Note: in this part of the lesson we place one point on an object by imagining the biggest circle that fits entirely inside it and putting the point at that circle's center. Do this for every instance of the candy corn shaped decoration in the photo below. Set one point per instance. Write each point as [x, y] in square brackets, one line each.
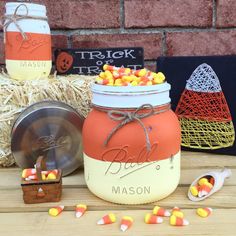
[80, 210]
[204, 212]
[178, 221]
[40, 193]
[159, 211]
[55, 211]
[206, 122]
[107, 219]
[152, 219]
[177, 212]
[28, 172]
[126, 223]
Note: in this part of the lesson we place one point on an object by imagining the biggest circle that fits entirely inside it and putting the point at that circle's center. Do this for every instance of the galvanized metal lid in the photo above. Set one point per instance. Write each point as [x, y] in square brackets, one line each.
[52, 129]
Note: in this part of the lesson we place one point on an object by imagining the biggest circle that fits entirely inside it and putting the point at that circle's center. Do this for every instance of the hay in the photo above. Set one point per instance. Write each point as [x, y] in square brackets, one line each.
[15, 96]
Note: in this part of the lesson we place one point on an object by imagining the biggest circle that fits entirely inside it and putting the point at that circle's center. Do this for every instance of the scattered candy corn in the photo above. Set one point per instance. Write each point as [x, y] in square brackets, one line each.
[80, 210]
[178, 221]
[177, 212]
[152, 219]
[119, 76]
[107, 219]
[204, 212]
[159, 211]
[126, 223]
[55, 211]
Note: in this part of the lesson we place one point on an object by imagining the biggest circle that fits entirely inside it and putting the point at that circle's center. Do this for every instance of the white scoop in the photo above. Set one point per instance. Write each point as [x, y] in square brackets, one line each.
[219, 178]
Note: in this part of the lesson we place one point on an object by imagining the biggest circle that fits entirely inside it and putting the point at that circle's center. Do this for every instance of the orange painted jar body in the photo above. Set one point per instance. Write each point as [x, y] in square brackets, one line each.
[27, 41]
[124, 170]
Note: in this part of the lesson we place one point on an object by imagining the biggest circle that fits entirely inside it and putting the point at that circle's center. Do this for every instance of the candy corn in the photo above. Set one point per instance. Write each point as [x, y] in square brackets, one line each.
[152, 219]
[119, 76]
[194, 190]
[177, 212]
[28, 172]
[110, 68]
[31, 177]
[212, 181]
[107, 219]
[202, 181]
[80, 210]
[43, 176]
[55, 211]
[52, 175]
[126, 223]
[178, 221]
[159, 78]
[159, 211]
[204, 189]
[204, 212]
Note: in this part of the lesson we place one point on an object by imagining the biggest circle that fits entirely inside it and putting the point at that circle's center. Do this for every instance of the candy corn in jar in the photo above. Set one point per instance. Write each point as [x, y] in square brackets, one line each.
[131, 142]
[27, 41]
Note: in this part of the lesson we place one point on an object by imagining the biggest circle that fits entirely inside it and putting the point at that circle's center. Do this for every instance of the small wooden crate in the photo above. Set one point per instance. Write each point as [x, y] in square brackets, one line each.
[42, 190]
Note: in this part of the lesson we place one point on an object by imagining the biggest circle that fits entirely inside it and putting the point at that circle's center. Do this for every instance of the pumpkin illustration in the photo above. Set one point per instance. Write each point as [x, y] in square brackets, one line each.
[64, 62]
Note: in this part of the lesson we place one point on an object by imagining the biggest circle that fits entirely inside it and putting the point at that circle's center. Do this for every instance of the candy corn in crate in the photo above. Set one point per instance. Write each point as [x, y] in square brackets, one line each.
[40, 185]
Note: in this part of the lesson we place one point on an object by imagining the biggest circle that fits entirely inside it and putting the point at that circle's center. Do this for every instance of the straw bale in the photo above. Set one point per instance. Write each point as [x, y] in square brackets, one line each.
[15, 96]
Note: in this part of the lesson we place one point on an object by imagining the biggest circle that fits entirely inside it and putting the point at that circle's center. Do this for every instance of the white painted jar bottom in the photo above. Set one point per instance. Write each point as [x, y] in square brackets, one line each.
[132, 183]
[28, 69]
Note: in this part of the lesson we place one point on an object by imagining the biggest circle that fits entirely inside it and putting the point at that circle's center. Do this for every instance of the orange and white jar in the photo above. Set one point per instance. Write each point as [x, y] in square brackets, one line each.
[27, 41]
[131, 142]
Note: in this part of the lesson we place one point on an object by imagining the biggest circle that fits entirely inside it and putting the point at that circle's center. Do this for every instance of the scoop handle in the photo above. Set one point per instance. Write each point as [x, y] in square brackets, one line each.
[226, 173]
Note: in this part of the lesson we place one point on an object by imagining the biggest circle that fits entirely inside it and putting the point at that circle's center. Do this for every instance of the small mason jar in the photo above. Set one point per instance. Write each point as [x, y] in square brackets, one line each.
[131, 142]
[27, 41]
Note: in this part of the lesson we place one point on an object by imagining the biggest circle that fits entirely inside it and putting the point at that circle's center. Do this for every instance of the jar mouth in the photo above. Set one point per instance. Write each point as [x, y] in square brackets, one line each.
[130, 96]
[33, 9]
[161, 108]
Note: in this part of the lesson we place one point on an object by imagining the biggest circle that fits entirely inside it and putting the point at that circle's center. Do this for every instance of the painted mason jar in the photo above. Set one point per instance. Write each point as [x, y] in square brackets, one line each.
[131, 142]
[27, 41]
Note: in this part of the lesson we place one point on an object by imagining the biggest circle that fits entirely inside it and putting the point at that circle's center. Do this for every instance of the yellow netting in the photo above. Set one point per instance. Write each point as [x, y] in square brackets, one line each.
[203, 134]
[15, 96]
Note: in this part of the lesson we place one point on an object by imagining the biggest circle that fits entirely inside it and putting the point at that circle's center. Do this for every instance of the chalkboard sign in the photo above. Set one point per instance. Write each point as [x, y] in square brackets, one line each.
[90, 61]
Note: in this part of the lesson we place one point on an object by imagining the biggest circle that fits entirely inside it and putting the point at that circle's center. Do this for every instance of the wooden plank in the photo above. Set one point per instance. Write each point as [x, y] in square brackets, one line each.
[221, 222]
[11, 200]
[11, 178]
[201, 159]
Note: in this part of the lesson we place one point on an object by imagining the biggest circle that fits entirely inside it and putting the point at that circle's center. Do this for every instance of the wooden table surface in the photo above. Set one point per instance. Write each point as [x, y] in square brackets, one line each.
[16, 218]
